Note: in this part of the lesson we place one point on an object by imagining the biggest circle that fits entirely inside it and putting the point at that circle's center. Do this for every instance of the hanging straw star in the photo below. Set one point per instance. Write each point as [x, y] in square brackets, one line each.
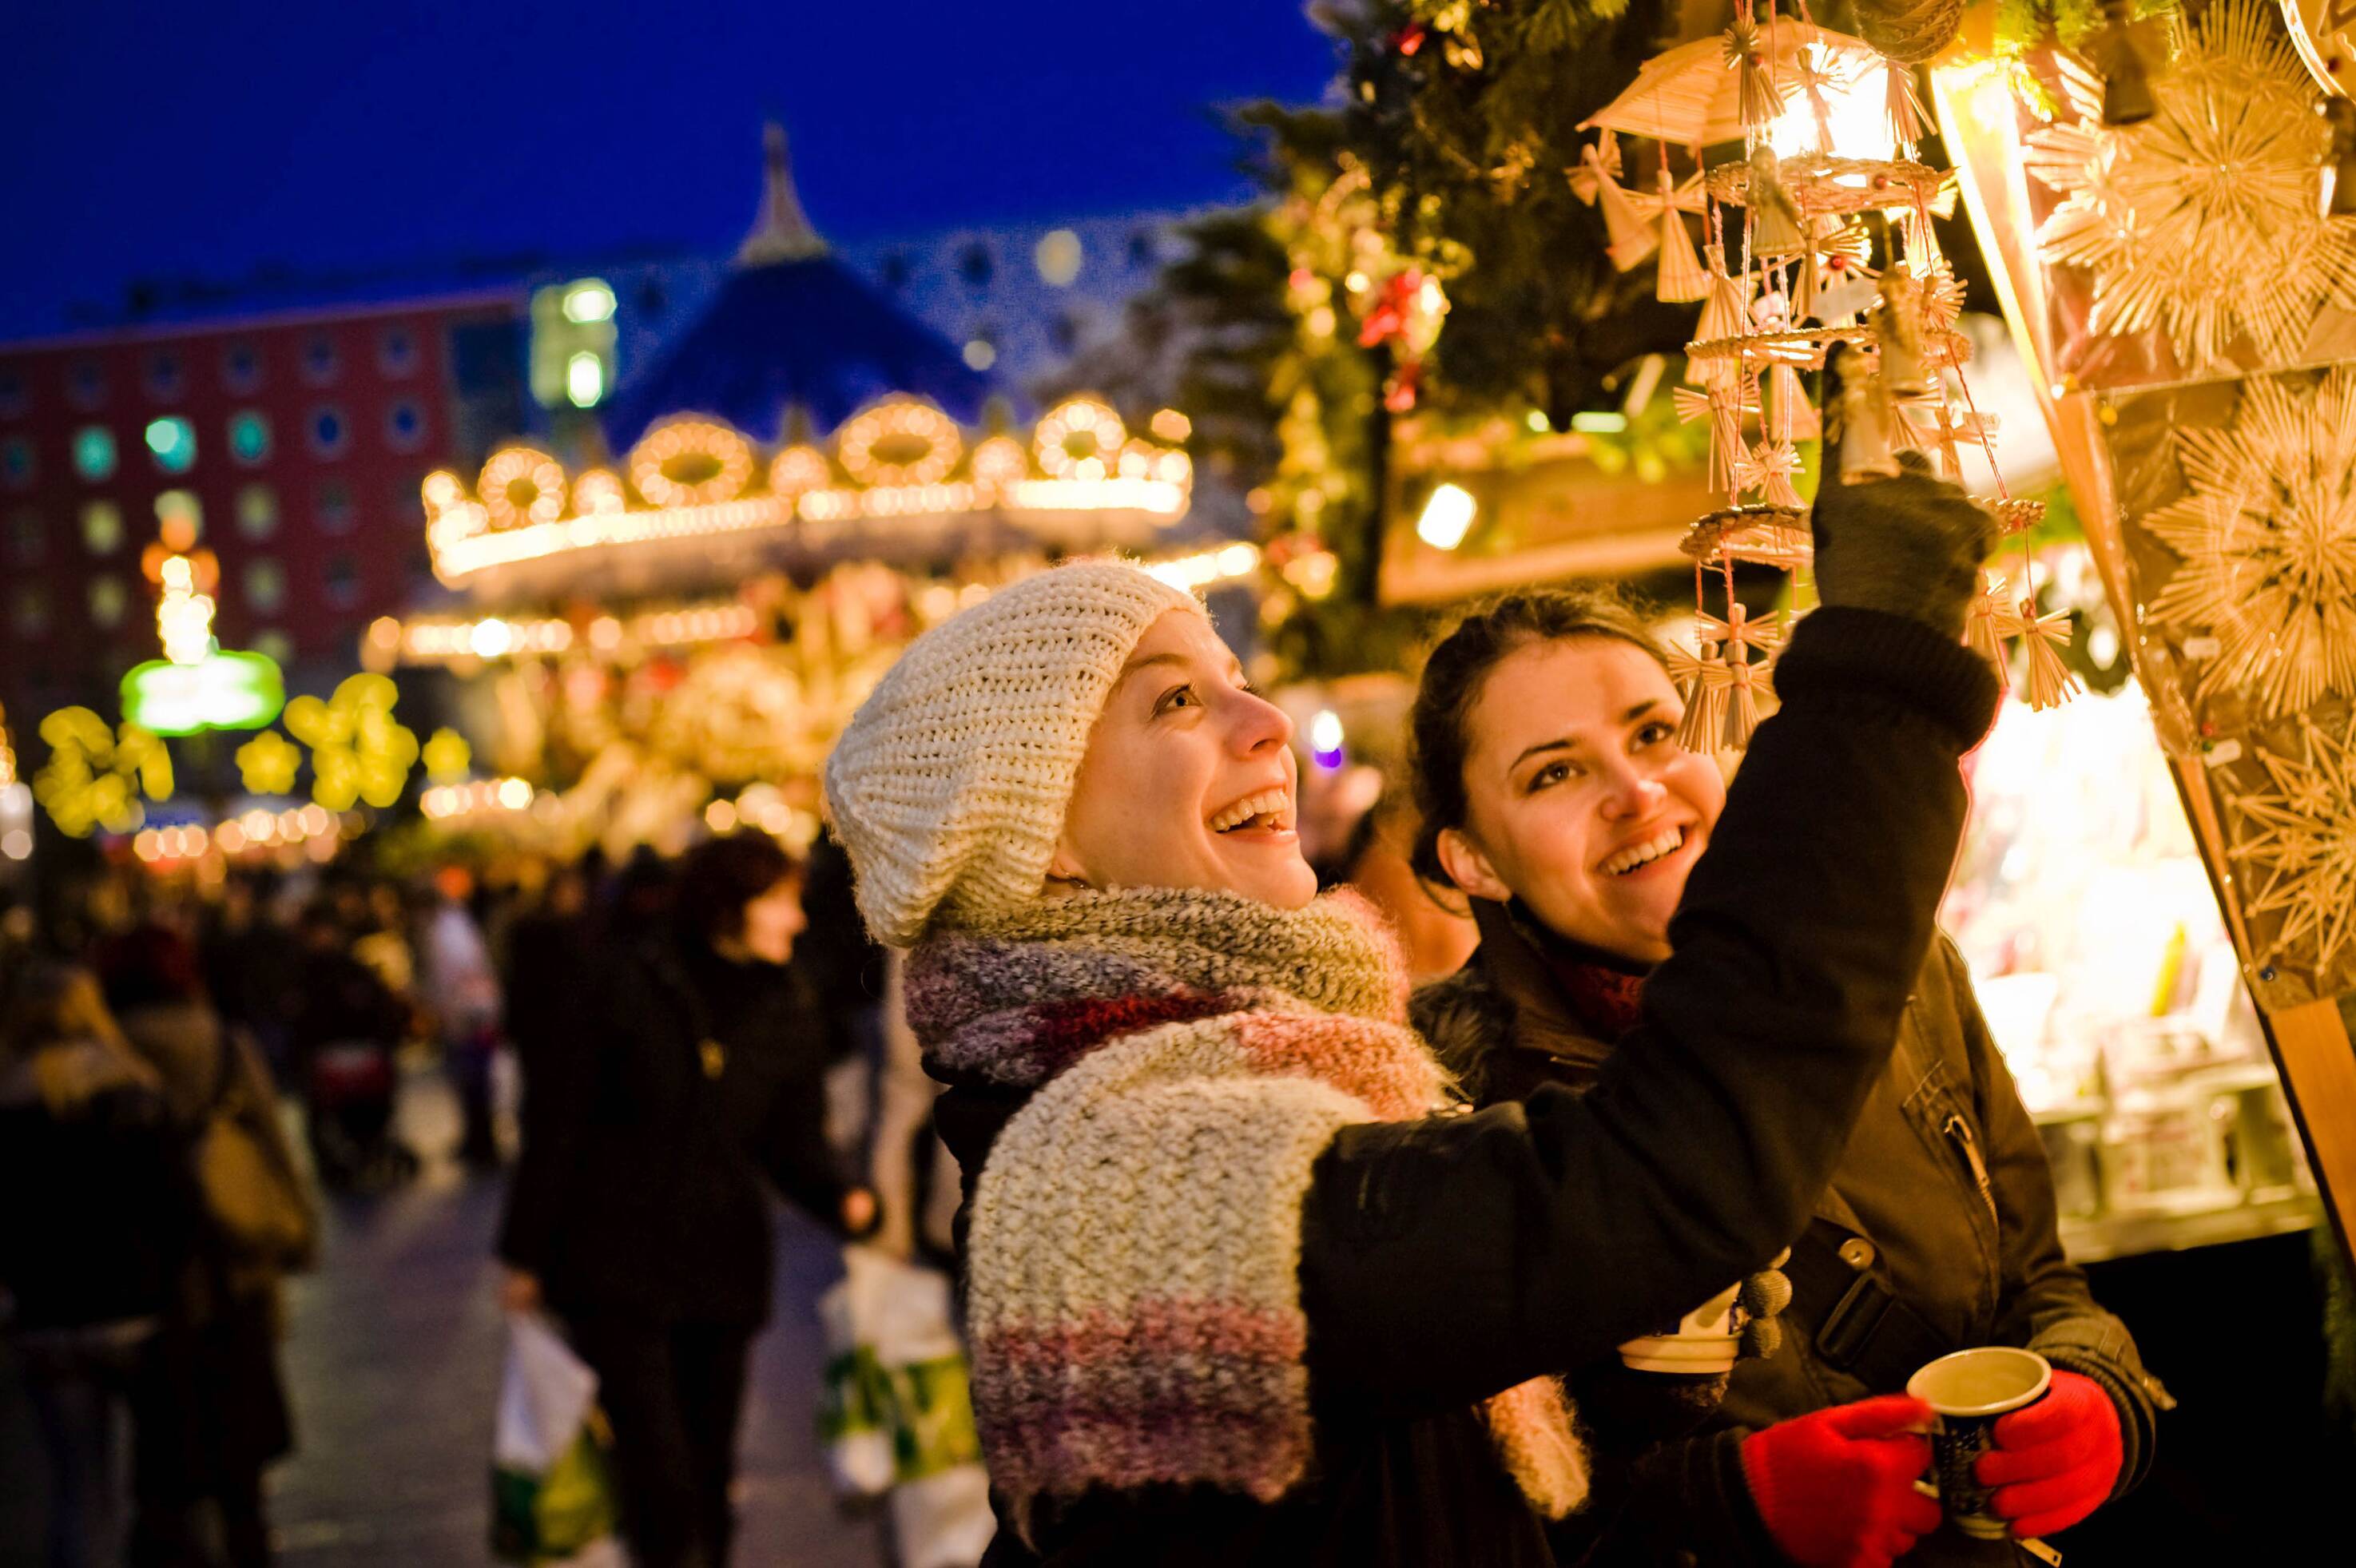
[1769, 468]
[1762, 95]
[2047, 682]
[2296, 844]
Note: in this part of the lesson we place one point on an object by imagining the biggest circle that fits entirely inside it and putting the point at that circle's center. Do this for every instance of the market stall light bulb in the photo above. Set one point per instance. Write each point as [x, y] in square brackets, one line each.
[1446, 516]
[584, 379]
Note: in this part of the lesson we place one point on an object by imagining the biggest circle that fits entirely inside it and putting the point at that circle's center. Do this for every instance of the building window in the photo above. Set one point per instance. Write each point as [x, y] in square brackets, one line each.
[335, 508]
[1064, 331]
[172, 442]
[651, 300]
[257, 511]
[93, 453]
[320, 362]
[573, 337]
[12, 394]
[86, 384]
[17, 467]
[331, 432]
[108, 601]
[404, 427]
[241, 368]
[32, 616]
[974, 264]
[29, 538]
[164, 378]
[1058, 256]
[249, 436]
[180, 519]
[896, 270]
[265, 586]
[101, 526]
[1141, 248]
[275, 645]
[343, 581]
[396, 351]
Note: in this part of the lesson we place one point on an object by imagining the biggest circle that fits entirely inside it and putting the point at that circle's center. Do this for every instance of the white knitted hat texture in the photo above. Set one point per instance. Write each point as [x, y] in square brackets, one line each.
[950, 785]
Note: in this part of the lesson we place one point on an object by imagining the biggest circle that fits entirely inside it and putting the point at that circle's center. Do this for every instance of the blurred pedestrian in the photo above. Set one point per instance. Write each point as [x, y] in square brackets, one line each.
[99, 1222]
[685, 1083]
[462, 990]
[543, 955]
[345, 1028]
[213, 1413]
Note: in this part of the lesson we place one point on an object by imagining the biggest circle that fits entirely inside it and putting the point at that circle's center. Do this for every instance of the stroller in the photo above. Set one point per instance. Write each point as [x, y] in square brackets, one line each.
[348, 1087]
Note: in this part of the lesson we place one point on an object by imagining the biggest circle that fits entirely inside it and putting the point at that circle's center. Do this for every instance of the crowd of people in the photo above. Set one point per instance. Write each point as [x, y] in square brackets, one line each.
[1259, 1262]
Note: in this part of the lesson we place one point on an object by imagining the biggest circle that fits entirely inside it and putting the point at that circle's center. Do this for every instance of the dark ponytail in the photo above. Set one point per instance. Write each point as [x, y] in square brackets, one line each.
[1438, 725]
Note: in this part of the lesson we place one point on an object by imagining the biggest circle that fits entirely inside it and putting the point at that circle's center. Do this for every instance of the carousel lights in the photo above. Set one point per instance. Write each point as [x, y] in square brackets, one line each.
[799, 469]
[900, 443]
[495, 637]
[519, 485]
[1083, 421]
[599, 490]
[690, 462]
[314, 828]
[1207, 567]
[507, 794]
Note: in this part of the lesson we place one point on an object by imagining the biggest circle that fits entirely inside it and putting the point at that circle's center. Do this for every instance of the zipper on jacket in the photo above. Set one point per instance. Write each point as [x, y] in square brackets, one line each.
[1959, 1132]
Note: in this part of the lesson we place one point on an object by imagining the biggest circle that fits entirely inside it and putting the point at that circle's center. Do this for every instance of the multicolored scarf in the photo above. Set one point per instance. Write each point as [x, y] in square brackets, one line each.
[1133, 1293]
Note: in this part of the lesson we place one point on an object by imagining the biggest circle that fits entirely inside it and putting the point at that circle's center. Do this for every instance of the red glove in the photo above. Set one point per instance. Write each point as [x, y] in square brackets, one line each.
[1837, 1488]
[2055, 1462]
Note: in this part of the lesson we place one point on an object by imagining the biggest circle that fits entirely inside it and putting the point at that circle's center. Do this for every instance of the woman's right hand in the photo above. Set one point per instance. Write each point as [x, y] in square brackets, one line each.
[1837, 1488]
[1911, 546]
[519, 1291]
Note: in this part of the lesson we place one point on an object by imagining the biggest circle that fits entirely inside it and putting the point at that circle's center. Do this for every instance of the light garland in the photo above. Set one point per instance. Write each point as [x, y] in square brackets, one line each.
[519, 485]
[1077, 418]
[901, 459]
[314, 827]
[439, 640]
[904, 424]
[698, 442]
[443, 801]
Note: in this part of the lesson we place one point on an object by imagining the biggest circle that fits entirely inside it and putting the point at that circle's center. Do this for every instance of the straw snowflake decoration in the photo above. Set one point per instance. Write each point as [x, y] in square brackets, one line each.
[2296, 846]
[2268, 537]
[2205, 220]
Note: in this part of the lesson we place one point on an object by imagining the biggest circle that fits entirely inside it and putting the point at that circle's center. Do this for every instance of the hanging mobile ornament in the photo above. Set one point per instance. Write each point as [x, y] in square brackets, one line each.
[1790, 415]
[1746, 678]
[1703, 680]
[1778, 229]
[1898, 328]
[1723, 406]
[1682, 278]
[1759, 98]
[2048, 681]
[1984, 626]
[1596, 181]
[1868, 430]
[1769, 468]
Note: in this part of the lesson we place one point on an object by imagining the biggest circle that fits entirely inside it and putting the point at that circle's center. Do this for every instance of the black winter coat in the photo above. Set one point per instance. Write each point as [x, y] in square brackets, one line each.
[1445, 1260]
[1942, 1194]
[679, 1087]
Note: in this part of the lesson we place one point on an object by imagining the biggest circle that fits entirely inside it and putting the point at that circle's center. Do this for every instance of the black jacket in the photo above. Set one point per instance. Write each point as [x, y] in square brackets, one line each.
[1445, 1260]
[1944, 1183]
[677, 1088]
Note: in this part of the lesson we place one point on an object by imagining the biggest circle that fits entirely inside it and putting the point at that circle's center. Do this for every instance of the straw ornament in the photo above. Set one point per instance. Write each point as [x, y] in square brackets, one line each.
[1762, 97]
[1769, 468]
[1984, 626]
[2295, 845]
[1682, 276]
[2047, 681]
[1702, 679]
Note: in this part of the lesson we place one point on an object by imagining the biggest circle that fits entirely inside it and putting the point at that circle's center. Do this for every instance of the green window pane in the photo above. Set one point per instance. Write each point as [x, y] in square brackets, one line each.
[248, 435]
[93, 450]
[172, 440]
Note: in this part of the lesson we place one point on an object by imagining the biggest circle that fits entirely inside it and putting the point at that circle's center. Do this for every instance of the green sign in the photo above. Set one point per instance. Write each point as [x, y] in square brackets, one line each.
[221, 691]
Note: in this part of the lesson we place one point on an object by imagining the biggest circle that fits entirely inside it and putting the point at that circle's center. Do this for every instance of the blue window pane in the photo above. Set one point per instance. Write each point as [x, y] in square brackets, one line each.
[93, 452]
[328, 432]
[241, 368]
[17, 464]
[248, 435]
[172, 440]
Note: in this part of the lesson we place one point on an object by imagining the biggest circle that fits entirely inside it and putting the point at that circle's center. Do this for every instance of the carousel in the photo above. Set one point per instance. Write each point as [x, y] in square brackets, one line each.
[673, 627]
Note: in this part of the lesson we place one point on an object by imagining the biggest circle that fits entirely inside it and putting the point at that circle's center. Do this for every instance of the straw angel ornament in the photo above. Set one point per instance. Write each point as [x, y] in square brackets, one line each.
[1702, 679]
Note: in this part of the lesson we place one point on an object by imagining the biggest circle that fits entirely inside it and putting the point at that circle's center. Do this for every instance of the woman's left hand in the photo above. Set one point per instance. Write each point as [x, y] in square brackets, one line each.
[2057, 1461]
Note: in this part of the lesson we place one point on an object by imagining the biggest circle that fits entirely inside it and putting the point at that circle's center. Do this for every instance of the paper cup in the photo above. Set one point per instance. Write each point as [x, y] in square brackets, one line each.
[1707, 1339]
[1966, 1391]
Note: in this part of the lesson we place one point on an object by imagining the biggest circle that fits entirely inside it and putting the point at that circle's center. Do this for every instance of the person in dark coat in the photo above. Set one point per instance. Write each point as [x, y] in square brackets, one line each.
[1556, 795]
[215, 1417]
[1240, 1288]
[686, 1087]
[98, 1227]
[344, 1027]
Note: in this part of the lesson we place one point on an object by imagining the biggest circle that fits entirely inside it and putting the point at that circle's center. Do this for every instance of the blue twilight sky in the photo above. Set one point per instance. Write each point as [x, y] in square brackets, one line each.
[140, 139]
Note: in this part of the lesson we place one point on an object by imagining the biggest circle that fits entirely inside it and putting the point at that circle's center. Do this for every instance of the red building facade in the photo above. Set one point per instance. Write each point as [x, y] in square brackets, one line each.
[301, 439]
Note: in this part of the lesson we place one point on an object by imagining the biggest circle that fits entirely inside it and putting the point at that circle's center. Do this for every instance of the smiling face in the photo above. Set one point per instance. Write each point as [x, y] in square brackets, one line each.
[1580, 801]
[1189, 780]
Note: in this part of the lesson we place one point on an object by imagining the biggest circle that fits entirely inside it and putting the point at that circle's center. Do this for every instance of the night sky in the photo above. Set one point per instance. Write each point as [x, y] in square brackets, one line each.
[147, 140]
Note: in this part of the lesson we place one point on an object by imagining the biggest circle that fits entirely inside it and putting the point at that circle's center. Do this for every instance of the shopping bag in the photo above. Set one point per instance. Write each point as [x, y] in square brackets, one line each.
[552, 1495]
[897, 1412]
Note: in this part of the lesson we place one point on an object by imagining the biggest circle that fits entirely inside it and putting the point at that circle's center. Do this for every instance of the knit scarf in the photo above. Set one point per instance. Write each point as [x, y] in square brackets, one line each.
[1133, 1293]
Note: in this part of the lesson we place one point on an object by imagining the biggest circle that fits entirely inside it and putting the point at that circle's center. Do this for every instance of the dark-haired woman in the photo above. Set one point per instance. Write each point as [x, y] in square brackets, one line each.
[684, 1086]
[1555, 795]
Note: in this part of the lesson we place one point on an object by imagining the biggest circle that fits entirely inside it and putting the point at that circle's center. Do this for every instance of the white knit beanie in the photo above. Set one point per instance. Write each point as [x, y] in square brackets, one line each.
[950, 785]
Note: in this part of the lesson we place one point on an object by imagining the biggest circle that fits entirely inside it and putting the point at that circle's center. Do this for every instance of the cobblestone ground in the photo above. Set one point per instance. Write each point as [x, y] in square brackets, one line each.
[392, 1357]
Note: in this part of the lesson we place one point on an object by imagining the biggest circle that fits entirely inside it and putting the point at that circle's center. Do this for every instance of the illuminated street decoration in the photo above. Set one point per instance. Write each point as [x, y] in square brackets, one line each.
[267, 764]
[900, 459]
[218, 691]
[95, 776]
[359, 751]
[447, 756]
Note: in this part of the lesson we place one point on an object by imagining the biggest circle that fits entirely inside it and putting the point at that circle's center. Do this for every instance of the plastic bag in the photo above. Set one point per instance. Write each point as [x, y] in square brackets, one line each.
[897, 1412]
[552, 1495]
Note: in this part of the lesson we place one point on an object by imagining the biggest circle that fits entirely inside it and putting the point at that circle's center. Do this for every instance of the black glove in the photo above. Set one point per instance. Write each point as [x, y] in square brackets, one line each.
[1910, 546]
